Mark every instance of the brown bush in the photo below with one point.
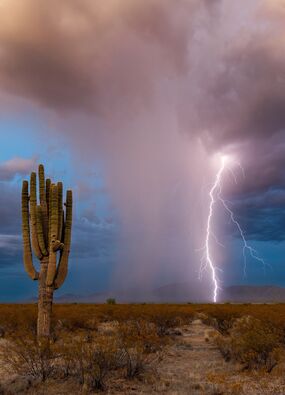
(13, 317)
(251, 342)
(27, 357)
(137, 340)
(223, 316)
(140, 332)
(89, 363)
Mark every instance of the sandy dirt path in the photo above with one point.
(190, 365)
(193, 365)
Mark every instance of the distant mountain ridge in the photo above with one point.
(183, 293)
(250, 293)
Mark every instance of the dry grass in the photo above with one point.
(253, 343)
(96, 346)
(85, 316)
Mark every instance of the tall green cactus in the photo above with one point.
(46, 229)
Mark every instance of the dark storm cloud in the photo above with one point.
(10, 250)
(8, 260)
(245, 116)
(110, 57)
(10, 243)
(262, 216)
(252, 93)
(153, 72)
(10, 225)
(86, 54)
(259, 196)
(10, 213)
(37, 55)
(93, 238)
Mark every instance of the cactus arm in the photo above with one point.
(60, 210)
(51, 272)
(62, 228)
(63, 263)
(40, 230)
(27, 255)
(33, 207)
(43, 203)
(50, 213)
(48, 184)
(42, 184)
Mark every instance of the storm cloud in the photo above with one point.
(153, 91)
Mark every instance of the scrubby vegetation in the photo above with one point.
(253, 343)
(91, 345)
(74, 316)
(111, 301)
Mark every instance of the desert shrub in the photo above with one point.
(72, 325)
(111, 301)
(133, 360)
(16, 318)
(138, 339)
(27, 357)
(221, 318)
(251, 342)
(223, 324)
(165, 321)
(139, 332)
(89, 363)
(137, 362)
(129, 350)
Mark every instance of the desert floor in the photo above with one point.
(190, 362)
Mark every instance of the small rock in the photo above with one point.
(197, 322)
(211, 334)
(201, 316)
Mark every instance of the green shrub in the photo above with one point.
(111, 301)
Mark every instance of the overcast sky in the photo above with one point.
(131, 104)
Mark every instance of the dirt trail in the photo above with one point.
(190, 365)
(190, 360)
(193, 365)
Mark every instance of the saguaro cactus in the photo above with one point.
(47, 228)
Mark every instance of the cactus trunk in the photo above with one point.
(44, 302)
(47, 228)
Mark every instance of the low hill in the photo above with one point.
(183, 293)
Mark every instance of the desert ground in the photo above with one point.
(145, 349)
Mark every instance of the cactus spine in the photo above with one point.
(46, 229)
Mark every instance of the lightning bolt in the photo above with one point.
(207, 261)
